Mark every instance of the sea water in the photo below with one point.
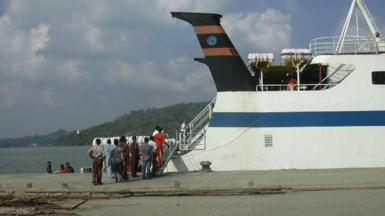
(34, 159)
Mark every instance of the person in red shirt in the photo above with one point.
(61, 169)
(160, 141)
(291, 85)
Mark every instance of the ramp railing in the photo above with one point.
(193, 135)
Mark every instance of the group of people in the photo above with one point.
(67, 168)
(122, 158)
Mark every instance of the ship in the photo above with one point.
(323, 107)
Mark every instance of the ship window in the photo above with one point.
(378, 77)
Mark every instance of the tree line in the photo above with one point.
(139, 122)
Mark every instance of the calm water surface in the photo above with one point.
(34, 160)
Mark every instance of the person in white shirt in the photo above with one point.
(107, 152)
(153, 165)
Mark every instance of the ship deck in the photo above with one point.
(293, 192)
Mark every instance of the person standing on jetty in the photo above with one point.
(107, 153)
(116, 161)
(160, 141)
(153, 165)
(125, 156)
(134, 156)
(49, 167)
(146, 151)
(96, 153)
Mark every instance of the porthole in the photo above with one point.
(212, 40)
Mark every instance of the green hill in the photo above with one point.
(140, 122)
(39, 140)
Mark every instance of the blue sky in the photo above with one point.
(77, 63)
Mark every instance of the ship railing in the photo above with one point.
(350, 45)
(192, 134)
(197, 141)
(300, 87)
(202, 118)
(192, 141)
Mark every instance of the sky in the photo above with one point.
(77, 63)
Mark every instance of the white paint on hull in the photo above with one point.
(230, 148)
(293, 148)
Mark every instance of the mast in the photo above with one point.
(374, 30)
(368, 18)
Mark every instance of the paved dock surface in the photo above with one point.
(283, 192)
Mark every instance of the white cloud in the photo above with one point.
(191, 76)
(44, 34)
(137, 74)
(70, 71)
(195, 5)
(21, 49)
(94, 39)
(39, 38)
(57, 50)
(178, 76)
(269, 31)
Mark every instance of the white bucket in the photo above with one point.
(85, 170)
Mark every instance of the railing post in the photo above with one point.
(210, 111)
(298, 79)
(190, 131)
(180, 141)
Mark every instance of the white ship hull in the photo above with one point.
(340, 127)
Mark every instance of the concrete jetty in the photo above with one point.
(284, 192)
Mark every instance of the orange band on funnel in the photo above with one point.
(220, 52)
(210, 29)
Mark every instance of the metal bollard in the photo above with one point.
(206, 166)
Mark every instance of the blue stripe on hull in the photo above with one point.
(298, 119)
